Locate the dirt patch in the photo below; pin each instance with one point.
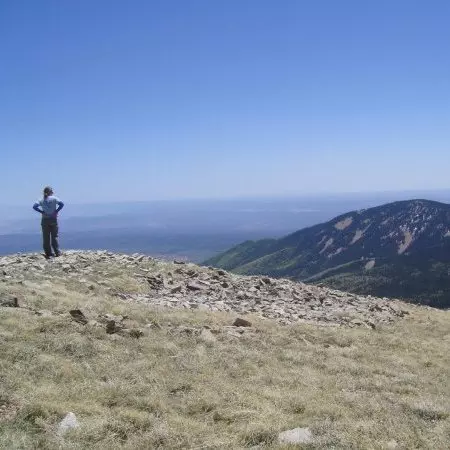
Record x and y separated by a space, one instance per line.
370 265
327 244
407 241
343 224
339 250
358 235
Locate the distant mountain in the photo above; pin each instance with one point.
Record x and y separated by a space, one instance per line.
401 249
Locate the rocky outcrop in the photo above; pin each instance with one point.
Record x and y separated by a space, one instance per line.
174 285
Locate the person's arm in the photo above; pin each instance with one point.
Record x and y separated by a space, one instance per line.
60 206
36 208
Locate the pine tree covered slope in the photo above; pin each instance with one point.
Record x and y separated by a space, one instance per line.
401 249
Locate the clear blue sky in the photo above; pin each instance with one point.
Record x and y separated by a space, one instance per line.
116 100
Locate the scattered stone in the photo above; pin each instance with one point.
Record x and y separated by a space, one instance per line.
176 289
375 308
392 444
295 436
207 336
9 301
357 322
113 327
133 332
195 286
188 286
156 282
109 317
241 323
154 325
44 313
186 330
78 316
68 423
177 261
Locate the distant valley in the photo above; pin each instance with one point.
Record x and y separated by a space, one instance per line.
190 229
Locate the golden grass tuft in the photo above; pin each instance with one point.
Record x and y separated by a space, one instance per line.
354 388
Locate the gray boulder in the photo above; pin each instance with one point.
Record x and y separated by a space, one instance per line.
295 436
9 301
68 423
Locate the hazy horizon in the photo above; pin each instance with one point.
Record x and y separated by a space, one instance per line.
194 229
390 195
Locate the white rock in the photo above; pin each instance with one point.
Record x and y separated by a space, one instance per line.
207 336
68 423
295 436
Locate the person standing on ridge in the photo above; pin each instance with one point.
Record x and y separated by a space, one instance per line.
49 207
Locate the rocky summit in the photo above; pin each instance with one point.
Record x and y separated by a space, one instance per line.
179 284
108 351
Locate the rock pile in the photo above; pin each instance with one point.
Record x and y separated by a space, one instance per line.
185 285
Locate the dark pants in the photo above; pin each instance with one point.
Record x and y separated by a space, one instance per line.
50 234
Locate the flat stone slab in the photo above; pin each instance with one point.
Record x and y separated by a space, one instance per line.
68 423
295 436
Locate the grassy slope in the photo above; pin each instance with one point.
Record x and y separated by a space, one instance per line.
242 254
421 277
421 274
355 388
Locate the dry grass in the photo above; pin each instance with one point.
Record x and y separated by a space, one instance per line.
355 388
